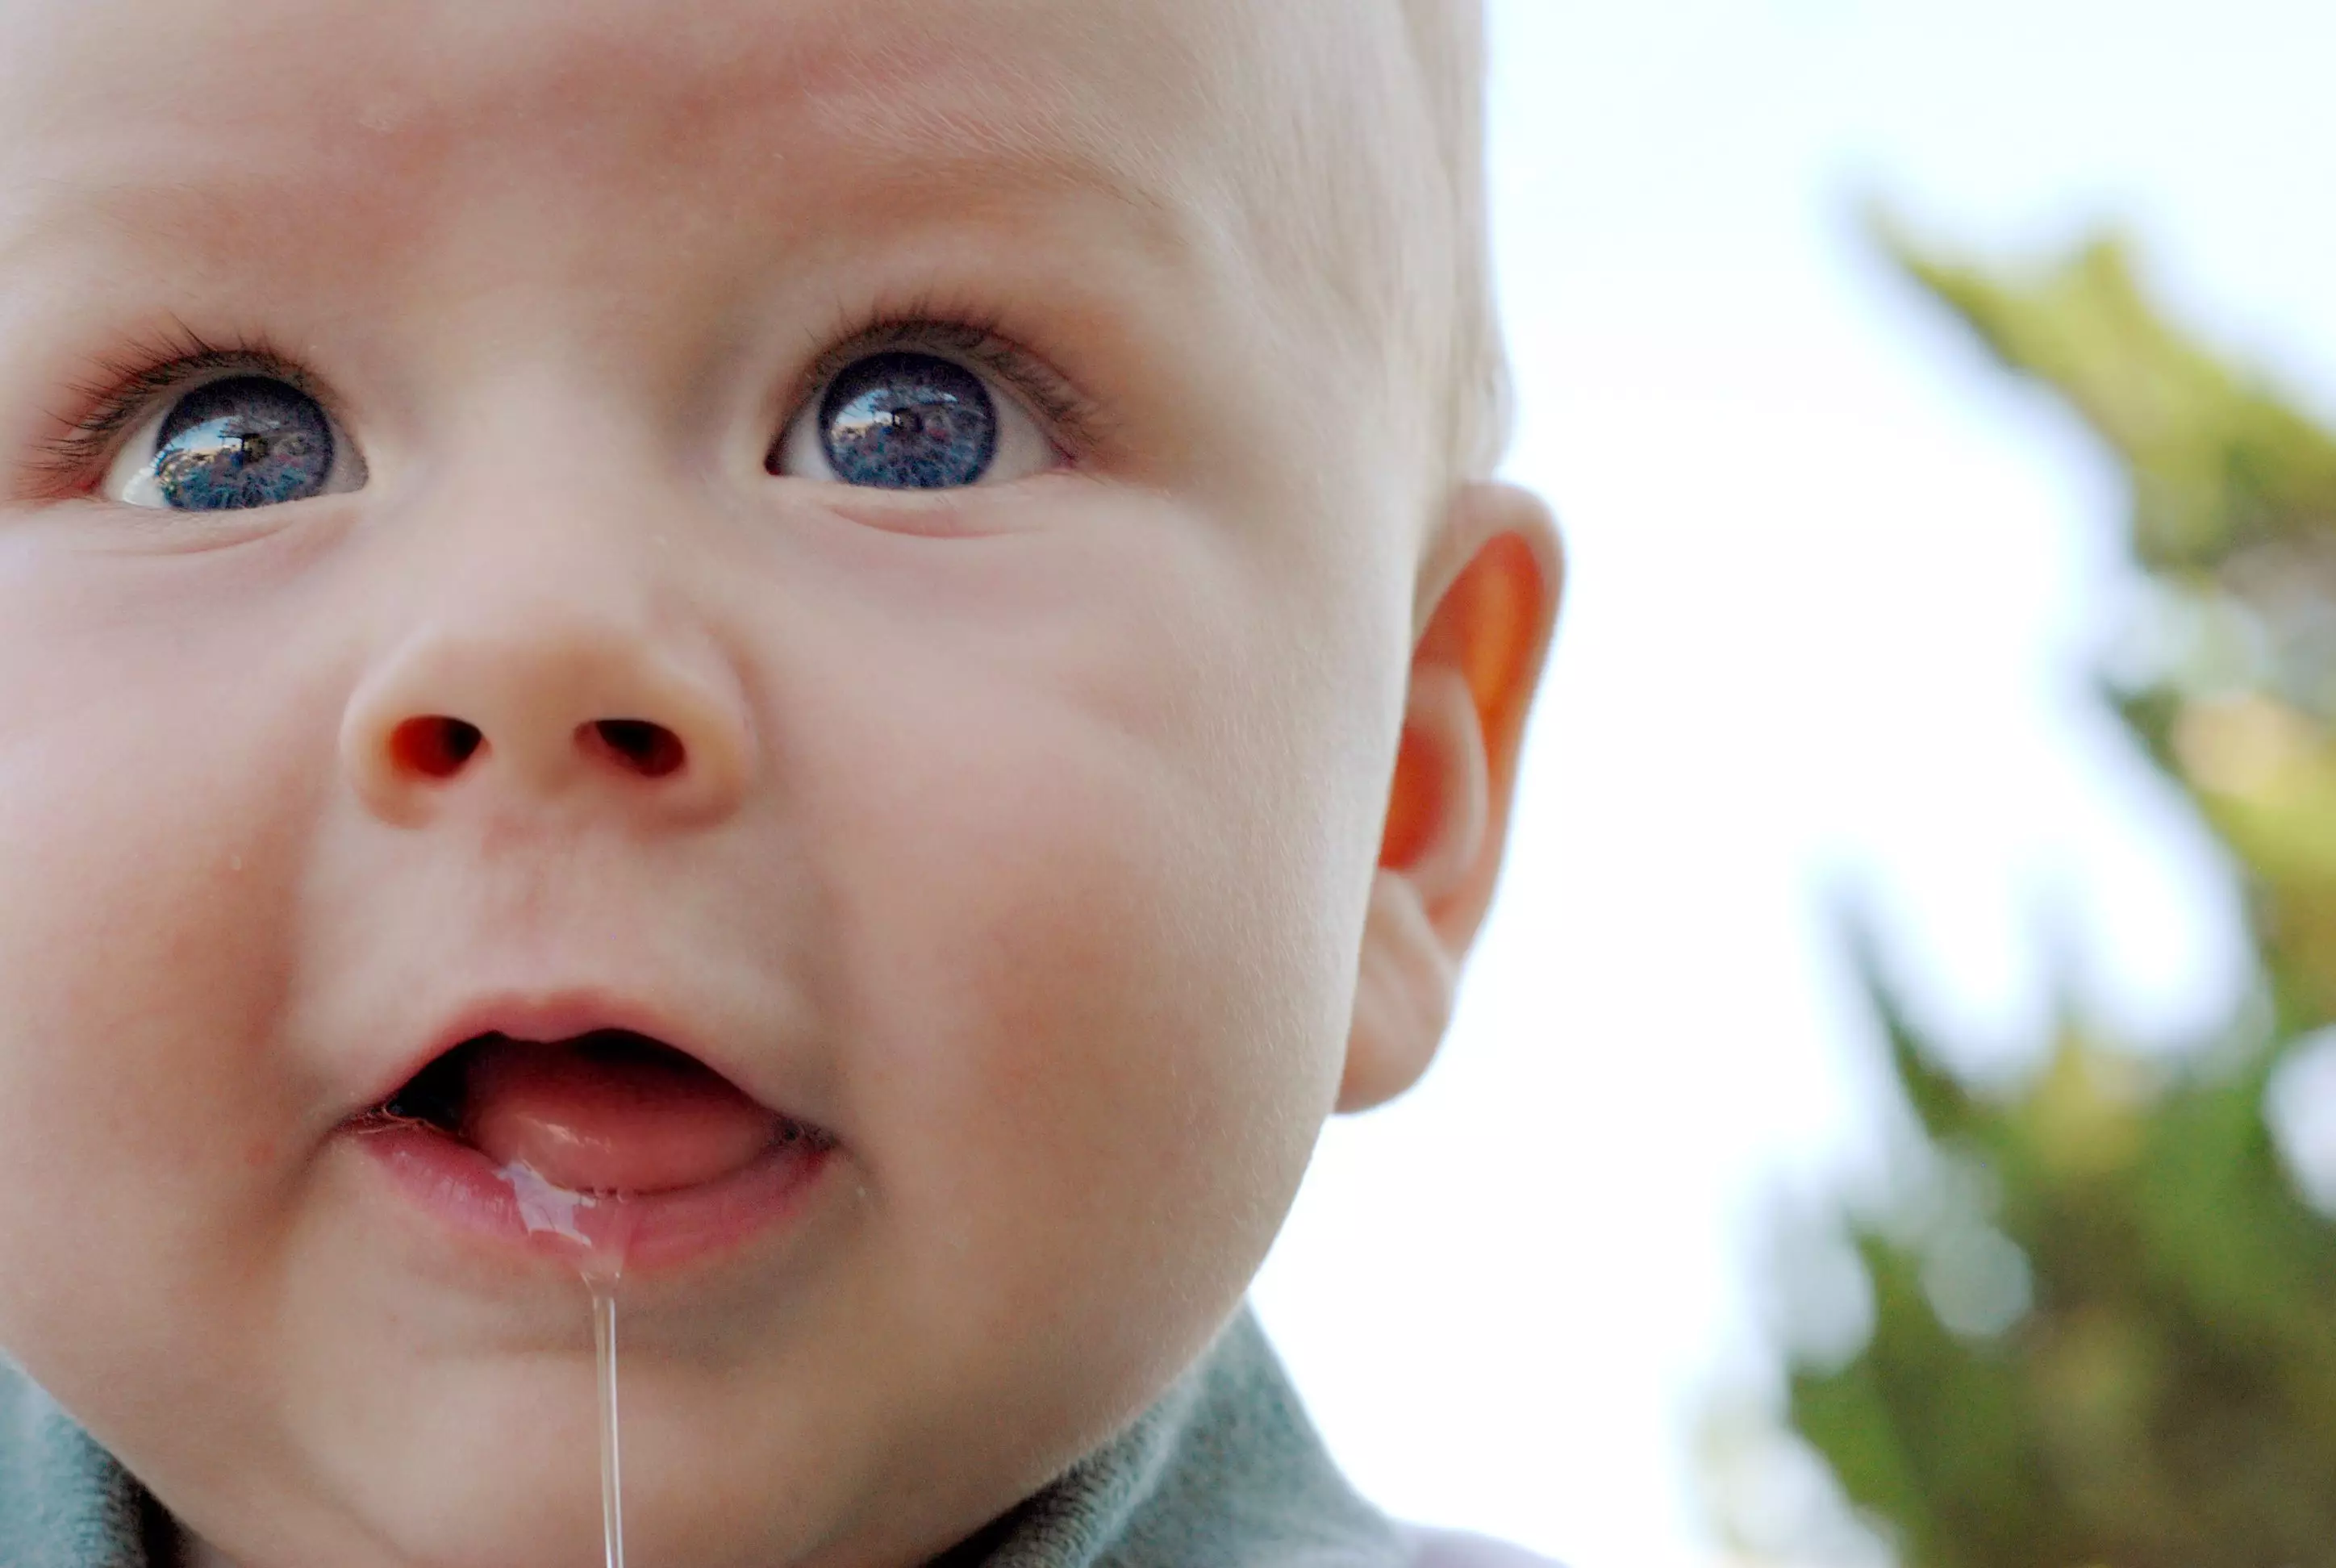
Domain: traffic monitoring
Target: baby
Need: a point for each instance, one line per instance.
(856, 658)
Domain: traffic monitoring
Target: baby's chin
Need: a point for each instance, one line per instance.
(750, 1438)
(497, 1465)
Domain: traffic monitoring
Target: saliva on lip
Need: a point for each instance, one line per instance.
(549, 1209)
(599, 1250)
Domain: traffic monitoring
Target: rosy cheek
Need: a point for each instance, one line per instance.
(158, 791)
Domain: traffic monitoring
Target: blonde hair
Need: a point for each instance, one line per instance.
(1393, 245)
(1448, 46)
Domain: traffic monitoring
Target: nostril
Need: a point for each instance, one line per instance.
(437, 746)
(652, 750)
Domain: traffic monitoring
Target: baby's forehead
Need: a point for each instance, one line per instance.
(308, 96)
(1191, 111)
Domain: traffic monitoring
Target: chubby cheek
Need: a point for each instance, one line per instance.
(1099, 925)
(147, 780)
(1070, 1034)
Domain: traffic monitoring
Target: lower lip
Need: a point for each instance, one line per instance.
(628, 1232)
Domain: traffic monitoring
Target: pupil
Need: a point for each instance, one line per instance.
(249, 441)
(908, 421)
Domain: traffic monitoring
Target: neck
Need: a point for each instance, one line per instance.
(197, 1553)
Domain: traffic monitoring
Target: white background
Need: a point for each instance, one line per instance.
(1836, 585)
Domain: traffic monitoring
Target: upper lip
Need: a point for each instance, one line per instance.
(545, 1016)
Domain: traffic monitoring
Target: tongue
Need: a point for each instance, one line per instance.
(611, 1113)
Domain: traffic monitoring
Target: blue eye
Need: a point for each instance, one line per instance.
(908, 422)
(902, 420)
(246, 441)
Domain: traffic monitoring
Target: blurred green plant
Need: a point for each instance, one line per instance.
(2104, 1328)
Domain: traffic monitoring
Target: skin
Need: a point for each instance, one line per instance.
(1069, 847)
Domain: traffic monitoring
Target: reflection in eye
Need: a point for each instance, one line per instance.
(904, 420)
(246, 441)
(908, 422)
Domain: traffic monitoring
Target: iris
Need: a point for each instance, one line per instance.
(908, 422)
(249, 441)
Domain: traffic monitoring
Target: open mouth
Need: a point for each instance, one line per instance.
(605, 1112)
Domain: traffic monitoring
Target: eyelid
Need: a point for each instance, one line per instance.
(129, 387)
(1076, 417)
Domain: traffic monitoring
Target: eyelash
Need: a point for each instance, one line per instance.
(973, 336)
(129, 386)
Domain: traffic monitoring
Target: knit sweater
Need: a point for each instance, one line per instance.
(1224, 1472)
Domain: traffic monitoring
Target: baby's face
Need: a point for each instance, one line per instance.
(825, 534)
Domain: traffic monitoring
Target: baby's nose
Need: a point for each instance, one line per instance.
(536, 701)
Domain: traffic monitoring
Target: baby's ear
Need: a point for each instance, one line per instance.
(1489, 592)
